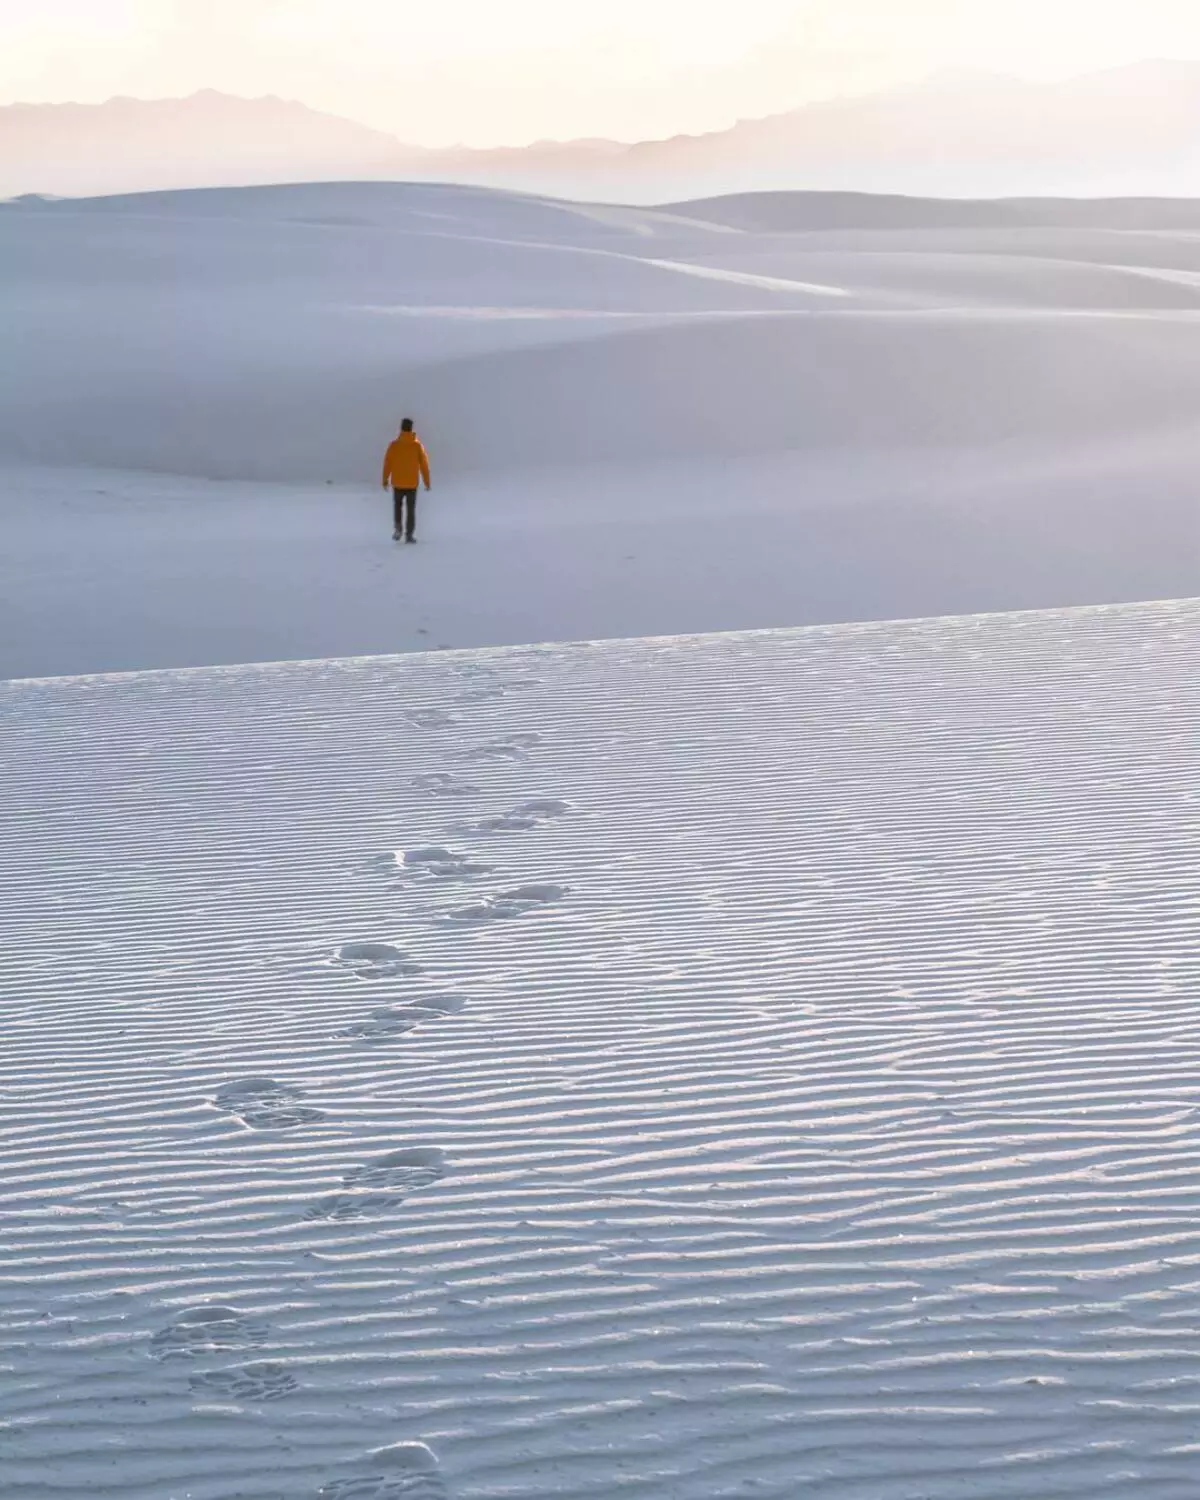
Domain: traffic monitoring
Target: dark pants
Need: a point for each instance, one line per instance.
(402, 500)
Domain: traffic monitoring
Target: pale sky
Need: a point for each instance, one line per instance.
(489, 72)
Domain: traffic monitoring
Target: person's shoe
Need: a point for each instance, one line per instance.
(411, 540)
(395, 536)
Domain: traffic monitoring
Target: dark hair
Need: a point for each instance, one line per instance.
(406, 425)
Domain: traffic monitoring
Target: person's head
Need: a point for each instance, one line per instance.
(406, 425)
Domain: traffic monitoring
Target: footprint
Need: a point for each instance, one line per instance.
(416, 1167)
(385, 864)
(264, 1104)
(441, 1005)
(528, 815)
(409, 1471)
(257, 1382)
(480, 694)
(431, 718)
(341, 1207)
(386, 1025)
(207, 1330)
(442, 864)
(383, 1184)
(275, 1117)
(430, 855)
(506, 904)
(376, 961)
(391, 1022)
(511, 747)
(440, 784)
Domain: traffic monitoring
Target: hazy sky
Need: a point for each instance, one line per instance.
(499, 71)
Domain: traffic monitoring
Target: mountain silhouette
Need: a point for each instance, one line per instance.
(1126, 131)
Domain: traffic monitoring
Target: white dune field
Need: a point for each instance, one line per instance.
(640, 423)
(761, 1064)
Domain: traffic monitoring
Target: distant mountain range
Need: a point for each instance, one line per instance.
(207, 140)
(1127, 131)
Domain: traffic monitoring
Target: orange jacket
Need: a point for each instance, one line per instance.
(406, 463)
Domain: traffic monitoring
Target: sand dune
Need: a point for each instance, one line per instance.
(682, 1068)
(431, 208)
(274, 334)
(708, 413)
(740, 387)
(116, 572)
(709, 389)
(235, 336)
(798, 212)
(1025, 276)
(677, 1067)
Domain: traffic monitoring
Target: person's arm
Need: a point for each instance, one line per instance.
(387, 467)
(424, 464)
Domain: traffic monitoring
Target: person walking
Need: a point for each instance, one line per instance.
(405, 465)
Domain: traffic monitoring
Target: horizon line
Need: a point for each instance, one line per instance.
(917, 81)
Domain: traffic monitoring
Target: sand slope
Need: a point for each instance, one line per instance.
(276, 334)
(107, 572)
(680, 1069)
(641, 423)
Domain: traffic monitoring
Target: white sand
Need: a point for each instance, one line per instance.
(115, 572)
(683, 1069)
(640, 424)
